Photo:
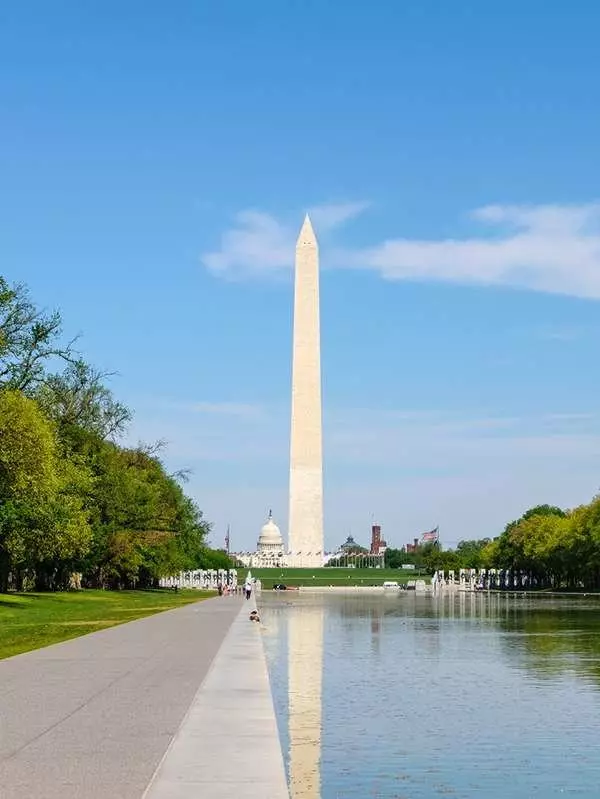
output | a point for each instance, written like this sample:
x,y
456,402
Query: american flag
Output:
x,y
432,535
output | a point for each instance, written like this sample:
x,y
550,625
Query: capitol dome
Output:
x,y
270,539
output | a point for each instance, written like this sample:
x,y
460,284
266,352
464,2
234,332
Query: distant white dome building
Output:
x,y
271,553
270,550
270,540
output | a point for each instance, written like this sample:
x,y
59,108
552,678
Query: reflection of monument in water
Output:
x,y
305,676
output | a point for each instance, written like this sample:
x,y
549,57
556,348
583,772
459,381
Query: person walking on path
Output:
x,y
248,590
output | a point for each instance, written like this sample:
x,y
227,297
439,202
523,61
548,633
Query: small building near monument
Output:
x,y
350,547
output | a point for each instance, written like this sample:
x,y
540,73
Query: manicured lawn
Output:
x,y
29,621
329,576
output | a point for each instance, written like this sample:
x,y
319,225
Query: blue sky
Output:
x,y
156,160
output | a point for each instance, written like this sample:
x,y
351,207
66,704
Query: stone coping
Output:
x,y
228,743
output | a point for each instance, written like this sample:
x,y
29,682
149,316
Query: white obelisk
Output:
x,y
306,455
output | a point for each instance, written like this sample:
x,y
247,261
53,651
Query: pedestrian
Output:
x,y
248,590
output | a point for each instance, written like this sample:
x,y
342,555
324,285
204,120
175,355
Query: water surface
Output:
x,y
464,695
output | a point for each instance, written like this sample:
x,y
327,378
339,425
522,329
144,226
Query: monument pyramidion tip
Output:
x,y
307,237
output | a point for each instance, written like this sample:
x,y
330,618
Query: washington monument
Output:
x,y
306,456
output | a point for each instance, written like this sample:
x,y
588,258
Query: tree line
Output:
x,y
559,548
73,501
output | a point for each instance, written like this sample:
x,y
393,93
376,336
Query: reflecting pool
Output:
x,y
413,697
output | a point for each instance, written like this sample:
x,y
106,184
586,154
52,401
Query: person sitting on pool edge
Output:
x,y
254,616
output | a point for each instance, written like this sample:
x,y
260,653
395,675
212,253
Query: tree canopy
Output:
x,y
71,498
560,548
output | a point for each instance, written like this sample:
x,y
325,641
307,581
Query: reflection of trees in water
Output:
x,y
546,635
551,641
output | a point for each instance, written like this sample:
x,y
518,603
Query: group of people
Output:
x,y
225,590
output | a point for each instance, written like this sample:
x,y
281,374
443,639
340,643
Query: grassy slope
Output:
x,y
29,621
329,576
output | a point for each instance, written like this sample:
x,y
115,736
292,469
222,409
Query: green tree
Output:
x,y
214,559
585,543
27,470
508,549
78,400
470,553
70,498
394,558
544,510
540,541
29,338
144,525
43,520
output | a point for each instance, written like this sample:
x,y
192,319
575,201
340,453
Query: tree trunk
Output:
x,y
4,570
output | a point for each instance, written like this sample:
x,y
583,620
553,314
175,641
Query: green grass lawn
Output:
x,y
29,621
329,576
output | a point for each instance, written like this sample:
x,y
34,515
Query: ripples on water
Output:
x,y
463,695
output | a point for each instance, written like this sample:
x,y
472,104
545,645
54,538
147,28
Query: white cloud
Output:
x,y
551,248
545,248
259,244
327,217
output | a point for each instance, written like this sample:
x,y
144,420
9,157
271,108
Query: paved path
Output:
x,y
91,718
228,745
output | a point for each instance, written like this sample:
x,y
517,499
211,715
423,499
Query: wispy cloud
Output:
x,y
551,248
327,217
546,248
469,471
568,417
362,438
458,442
259,244
238,409
563,334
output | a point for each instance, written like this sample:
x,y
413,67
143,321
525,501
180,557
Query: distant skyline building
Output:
x,y
269,548
305,530
378,545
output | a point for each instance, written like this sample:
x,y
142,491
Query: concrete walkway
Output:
x,y
91,718
228,745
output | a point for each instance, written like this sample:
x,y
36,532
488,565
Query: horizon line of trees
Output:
x,y
559,548
72,499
